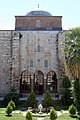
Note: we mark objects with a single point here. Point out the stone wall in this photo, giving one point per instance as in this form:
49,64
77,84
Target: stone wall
61,57
16,60
5,61
28,50
9,60
16,53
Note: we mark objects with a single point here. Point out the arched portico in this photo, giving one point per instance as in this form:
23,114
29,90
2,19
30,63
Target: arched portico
38,82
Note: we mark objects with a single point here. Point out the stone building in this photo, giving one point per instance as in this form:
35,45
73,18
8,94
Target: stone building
31,56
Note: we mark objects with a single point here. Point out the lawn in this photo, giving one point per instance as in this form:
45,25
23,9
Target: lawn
17,115
63,117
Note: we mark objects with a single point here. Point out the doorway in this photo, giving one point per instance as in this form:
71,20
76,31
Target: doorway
38,83
25,82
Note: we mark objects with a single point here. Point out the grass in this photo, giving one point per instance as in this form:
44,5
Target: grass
17,115
64,117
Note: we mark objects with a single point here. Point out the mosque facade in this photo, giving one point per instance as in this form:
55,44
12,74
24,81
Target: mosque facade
31,56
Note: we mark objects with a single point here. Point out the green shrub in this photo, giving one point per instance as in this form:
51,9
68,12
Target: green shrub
76,91
31,101
66,92
66,82
12,95
48,101
11,103
9,110
28,115
53,114
72,110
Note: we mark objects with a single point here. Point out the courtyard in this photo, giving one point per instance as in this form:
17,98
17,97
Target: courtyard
20,115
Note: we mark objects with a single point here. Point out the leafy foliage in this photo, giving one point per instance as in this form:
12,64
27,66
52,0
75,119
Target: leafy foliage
48,101
77,94
31,101
53,114
66,82
66,98
72,110
12,95
11,103
28,115
72,49
9,110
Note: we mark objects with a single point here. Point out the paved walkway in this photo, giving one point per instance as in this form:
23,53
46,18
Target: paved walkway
40,118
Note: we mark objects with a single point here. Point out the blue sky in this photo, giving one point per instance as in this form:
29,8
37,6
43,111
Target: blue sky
69,9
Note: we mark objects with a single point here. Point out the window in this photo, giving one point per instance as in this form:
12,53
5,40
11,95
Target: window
46,63
38,48
31,63
38,23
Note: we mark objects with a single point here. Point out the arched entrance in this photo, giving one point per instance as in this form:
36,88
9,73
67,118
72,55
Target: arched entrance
38,82
25,82
51,82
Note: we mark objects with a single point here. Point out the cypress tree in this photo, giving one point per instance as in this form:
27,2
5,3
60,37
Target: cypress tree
77,93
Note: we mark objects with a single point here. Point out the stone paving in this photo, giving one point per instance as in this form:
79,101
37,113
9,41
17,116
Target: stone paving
40,118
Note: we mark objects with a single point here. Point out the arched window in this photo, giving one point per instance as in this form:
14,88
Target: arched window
31,63
38,48
46,63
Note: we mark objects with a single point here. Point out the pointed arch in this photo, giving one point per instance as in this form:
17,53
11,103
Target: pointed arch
51,81
38,82
25,82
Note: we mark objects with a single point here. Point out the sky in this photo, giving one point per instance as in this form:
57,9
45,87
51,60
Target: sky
68,9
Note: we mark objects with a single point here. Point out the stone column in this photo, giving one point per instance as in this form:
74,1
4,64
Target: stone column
32,82
44,83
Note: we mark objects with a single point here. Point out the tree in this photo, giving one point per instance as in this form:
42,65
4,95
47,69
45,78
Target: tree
66,98
53,114
29,115
12,95
72,50
11,103
66,82
48,101
72,110
76,91
31,101
9,110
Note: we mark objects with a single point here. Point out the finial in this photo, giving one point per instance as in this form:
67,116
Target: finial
38,5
